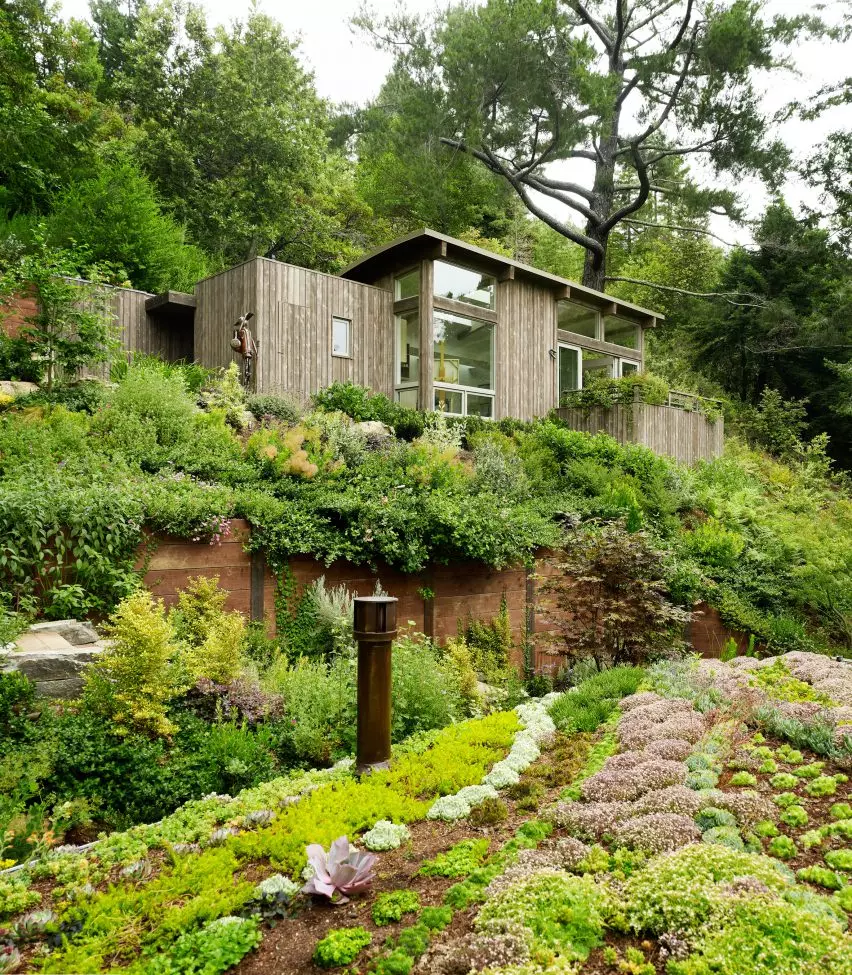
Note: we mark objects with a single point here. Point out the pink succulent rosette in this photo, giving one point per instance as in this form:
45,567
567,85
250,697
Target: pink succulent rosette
344,870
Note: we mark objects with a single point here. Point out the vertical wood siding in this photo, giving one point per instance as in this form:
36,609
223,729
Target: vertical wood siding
294,309
526,332
222,299
685,436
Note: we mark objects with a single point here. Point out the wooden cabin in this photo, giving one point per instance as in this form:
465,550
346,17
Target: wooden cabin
428,320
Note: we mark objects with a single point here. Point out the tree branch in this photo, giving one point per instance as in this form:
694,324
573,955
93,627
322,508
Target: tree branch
671,226
639,200
726,295
603,34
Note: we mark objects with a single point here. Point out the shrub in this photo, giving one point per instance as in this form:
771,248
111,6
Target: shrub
391,906
823,785
595,699
340,947
137,674
284,408
839,859
743,778
489,812
608,599
436,918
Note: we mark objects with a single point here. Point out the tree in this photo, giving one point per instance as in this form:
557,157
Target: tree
615,88
607,600
795,330
114,217
404,173
49,115
233,135
73,326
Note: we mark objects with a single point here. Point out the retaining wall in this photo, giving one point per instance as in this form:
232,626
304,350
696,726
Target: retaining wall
461,591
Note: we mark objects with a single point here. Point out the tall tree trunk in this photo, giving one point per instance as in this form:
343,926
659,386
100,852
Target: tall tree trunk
603,190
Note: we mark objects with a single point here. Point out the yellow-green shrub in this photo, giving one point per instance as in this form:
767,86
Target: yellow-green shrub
137,674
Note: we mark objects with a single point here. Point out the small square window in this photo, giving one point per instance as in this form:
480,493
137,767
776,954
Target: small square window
341,337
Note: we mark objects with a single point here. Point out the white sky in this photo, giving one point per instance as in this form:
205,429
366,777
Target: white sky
347,68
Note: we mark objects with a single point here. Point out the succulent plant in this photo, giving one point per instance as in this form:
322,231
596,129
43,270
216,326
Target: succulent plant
138,870
260,817
182,849
220,836
31,925
276,886
344,870
10,958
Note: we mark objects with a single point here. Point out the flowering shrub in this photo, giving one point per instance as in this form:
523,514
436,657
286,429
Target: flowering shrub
588,820
672,799
628,784
670,749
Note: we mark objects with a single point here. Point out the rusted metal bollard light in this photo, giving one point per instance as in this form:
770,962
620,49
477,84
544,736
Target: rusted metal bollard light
375,630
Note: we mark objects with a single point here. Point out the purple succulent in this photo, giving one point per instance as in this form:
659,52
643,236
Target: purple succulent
344,870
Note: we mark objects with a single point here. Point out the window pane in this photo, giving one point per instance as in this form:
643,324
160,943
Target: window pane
577,319
621,332
464,354
407,285
629,368
598,364
569,370
448,400
407,397
408,347
340,331
462,284
478,405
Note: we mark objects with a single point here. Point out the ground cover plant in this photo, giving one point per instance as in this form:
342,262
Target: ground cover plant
776,563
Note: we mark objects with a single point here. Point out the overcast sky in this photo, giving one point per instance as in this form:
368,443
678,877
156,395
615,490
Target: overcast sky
348,68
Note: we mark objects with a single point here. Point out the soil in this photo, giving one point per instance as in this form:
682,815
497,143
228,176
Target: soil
288,946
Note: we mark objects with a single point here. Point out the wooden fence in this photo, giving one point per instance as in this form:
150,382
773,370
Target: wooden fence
676,430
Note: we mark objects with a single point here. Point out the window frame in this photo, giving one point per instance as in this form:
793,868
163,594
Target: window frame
461,301
414,268
622,362
573,348
465,391
398,382
335,319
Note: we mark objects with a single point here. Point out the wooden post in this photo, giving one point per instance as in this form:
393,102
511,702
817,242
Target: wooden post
375,630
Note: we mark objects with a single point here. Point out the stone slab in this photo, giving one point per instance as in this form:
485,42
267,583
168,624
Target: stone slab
74,632
13,388
66,690
42,642
53,665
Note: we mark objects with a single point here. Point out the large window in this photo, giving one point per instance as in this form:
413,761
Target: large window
598,364
578,319
463,368
462,284
407,285
620,331
407,358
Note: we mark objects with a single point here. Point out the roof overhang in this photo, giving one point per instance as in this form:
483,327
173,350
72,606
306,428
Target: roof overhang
429,244
171,301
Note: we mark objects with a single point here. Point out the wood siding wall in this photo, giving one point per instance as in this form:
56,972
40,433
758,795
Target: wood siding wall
222,299
294,308
526,332
685,436
151,334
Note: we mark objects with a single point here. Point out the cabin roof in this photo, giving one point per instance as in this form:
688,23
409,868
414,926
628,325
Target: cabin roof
413,246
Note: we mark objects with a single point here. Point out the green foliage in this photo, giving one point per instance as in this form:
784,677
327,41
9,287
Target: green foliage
563,913
282,408
595,699
340,946
213,639
821,876
839,859
392,905
361,404
489,812
823,785
217,947
743,778
72,326
458,861
137,674
782,847
795,816
784,780
436,918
